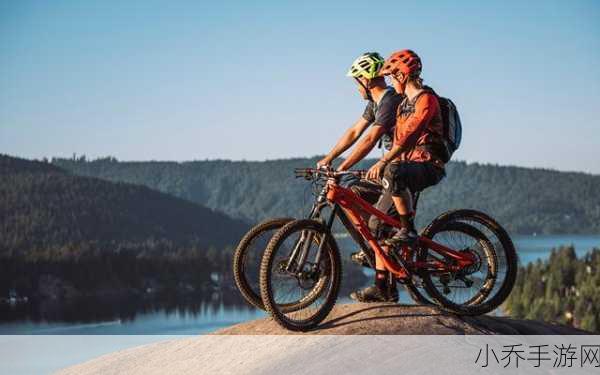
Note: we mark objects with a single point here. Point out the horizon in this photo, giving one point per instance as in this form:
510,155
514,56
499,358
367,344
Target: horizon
236,81
87,159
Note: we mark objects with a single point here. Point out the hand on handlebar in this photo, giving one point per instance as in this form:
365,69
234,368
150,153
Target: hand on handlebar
326,168
375,172
325,162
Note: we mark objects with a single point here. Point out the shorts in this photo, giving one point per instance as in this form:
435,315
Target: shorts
414,176
375,195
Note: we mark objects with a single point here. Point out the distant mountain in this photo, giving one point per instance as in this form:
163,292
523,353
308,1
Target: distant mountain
43,207
65,236
524,200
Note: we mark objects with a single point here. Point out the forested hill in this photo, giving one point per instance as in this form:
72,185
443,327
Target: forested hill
524,200
46,209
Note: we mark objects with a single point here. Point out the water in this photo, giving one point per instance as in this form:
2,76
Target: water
156,315
532,248
198,314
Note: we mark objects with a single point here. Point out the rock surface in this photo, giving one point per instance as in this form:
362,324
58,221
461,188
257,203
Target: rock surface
354,339
397,319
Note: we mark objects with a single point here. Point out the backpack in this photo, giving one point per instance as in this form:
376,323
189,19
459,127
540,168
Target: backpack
452,127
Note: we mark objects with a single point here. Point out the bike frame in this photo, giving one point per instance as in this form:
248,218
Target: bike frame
352,205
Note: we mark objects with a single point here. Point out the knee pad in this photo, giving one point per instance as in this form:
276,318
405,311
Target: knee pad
394,180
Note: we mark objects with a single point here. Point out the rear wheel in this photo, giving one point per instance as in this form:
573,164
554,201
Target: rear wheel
415,286
314,281
479,288
247,256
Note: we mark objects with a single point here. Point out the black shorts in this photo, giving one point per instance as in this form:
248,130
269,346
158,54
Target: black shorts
414,176
367,190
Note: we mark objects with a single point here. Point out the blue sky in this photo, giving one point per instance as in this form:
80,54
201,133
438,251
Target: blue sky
177,80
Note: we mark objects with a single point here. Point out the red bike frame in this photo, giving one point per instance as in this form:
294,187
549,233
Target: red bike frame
352,204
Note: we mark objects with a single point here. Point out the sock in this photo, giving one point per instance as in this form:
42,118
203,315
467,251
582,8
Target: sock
391,282
405,221
412,221
381,279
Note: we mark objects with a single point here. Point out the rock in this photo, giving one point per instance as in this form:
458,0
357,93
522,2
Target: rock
398,319
354,339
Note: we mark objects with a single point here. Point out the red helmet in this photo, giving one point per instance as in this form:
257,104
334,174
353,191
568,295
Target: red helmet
405,61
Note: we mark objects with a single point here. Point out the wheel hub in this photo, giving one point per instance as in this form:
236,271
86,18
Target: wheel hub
307,279
475,266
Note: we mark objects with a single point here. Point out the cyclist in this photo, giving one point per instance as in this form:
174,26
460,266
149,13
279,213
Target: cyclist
413,163
379,114
379,117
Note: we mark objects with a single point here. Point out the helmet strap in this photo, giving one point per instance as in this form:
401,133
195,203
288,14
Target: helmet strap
367,90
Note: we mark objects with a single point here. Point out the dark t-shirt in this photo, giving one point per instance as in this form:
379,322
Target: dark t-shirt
384,114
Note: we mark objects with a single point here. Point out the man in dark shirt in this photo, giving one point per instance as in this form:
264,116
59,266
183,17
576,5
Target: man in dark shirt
379,117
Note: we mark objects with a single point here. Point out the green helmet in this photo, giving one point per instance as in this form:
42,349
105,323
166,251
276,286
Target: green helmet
366,65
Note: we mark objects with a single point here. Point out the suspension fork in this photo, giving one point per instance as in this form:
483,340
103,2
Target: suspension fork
300,249
302,245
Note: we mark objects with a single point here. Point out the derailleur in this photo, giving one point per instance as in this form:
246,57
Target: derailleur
446,278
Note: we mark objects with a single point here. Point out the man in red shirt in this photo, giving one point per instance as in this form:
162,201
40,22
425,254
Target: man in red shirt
412,164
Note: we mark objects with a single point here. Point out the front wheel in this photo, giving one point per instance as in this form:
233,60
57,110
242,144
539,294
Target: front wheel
301,263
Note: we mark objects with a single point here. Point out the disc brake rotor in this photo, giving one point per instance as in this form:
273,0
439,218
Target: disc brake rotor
308,278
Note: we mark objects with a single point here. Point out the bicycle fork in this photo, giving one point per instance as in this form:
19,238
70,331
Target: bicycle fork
302,246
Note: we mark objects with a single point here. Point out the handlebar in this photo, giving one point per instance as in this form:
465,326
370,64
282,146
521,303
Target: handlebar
313,173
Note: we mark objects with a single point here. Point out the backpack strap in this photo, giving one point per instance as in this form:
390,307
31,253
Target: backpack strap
408,106
414,100
438,147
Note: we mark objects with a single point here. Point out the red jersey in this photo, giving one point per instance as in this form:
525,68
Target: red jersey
418,127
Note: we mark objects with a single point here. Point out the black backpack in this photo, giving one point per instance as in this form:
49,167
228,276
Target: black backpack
452,136
452,127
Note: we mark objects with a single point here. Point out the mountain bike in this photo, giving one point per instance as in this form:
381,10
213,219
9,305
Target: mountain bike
249,252
465,260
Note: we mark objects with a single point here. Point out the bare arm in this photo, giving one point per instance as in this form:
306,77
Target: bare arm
348,138
391,155
365,146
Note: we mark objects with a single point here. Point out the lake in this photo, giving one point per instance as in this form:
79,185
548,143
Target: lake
202,314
